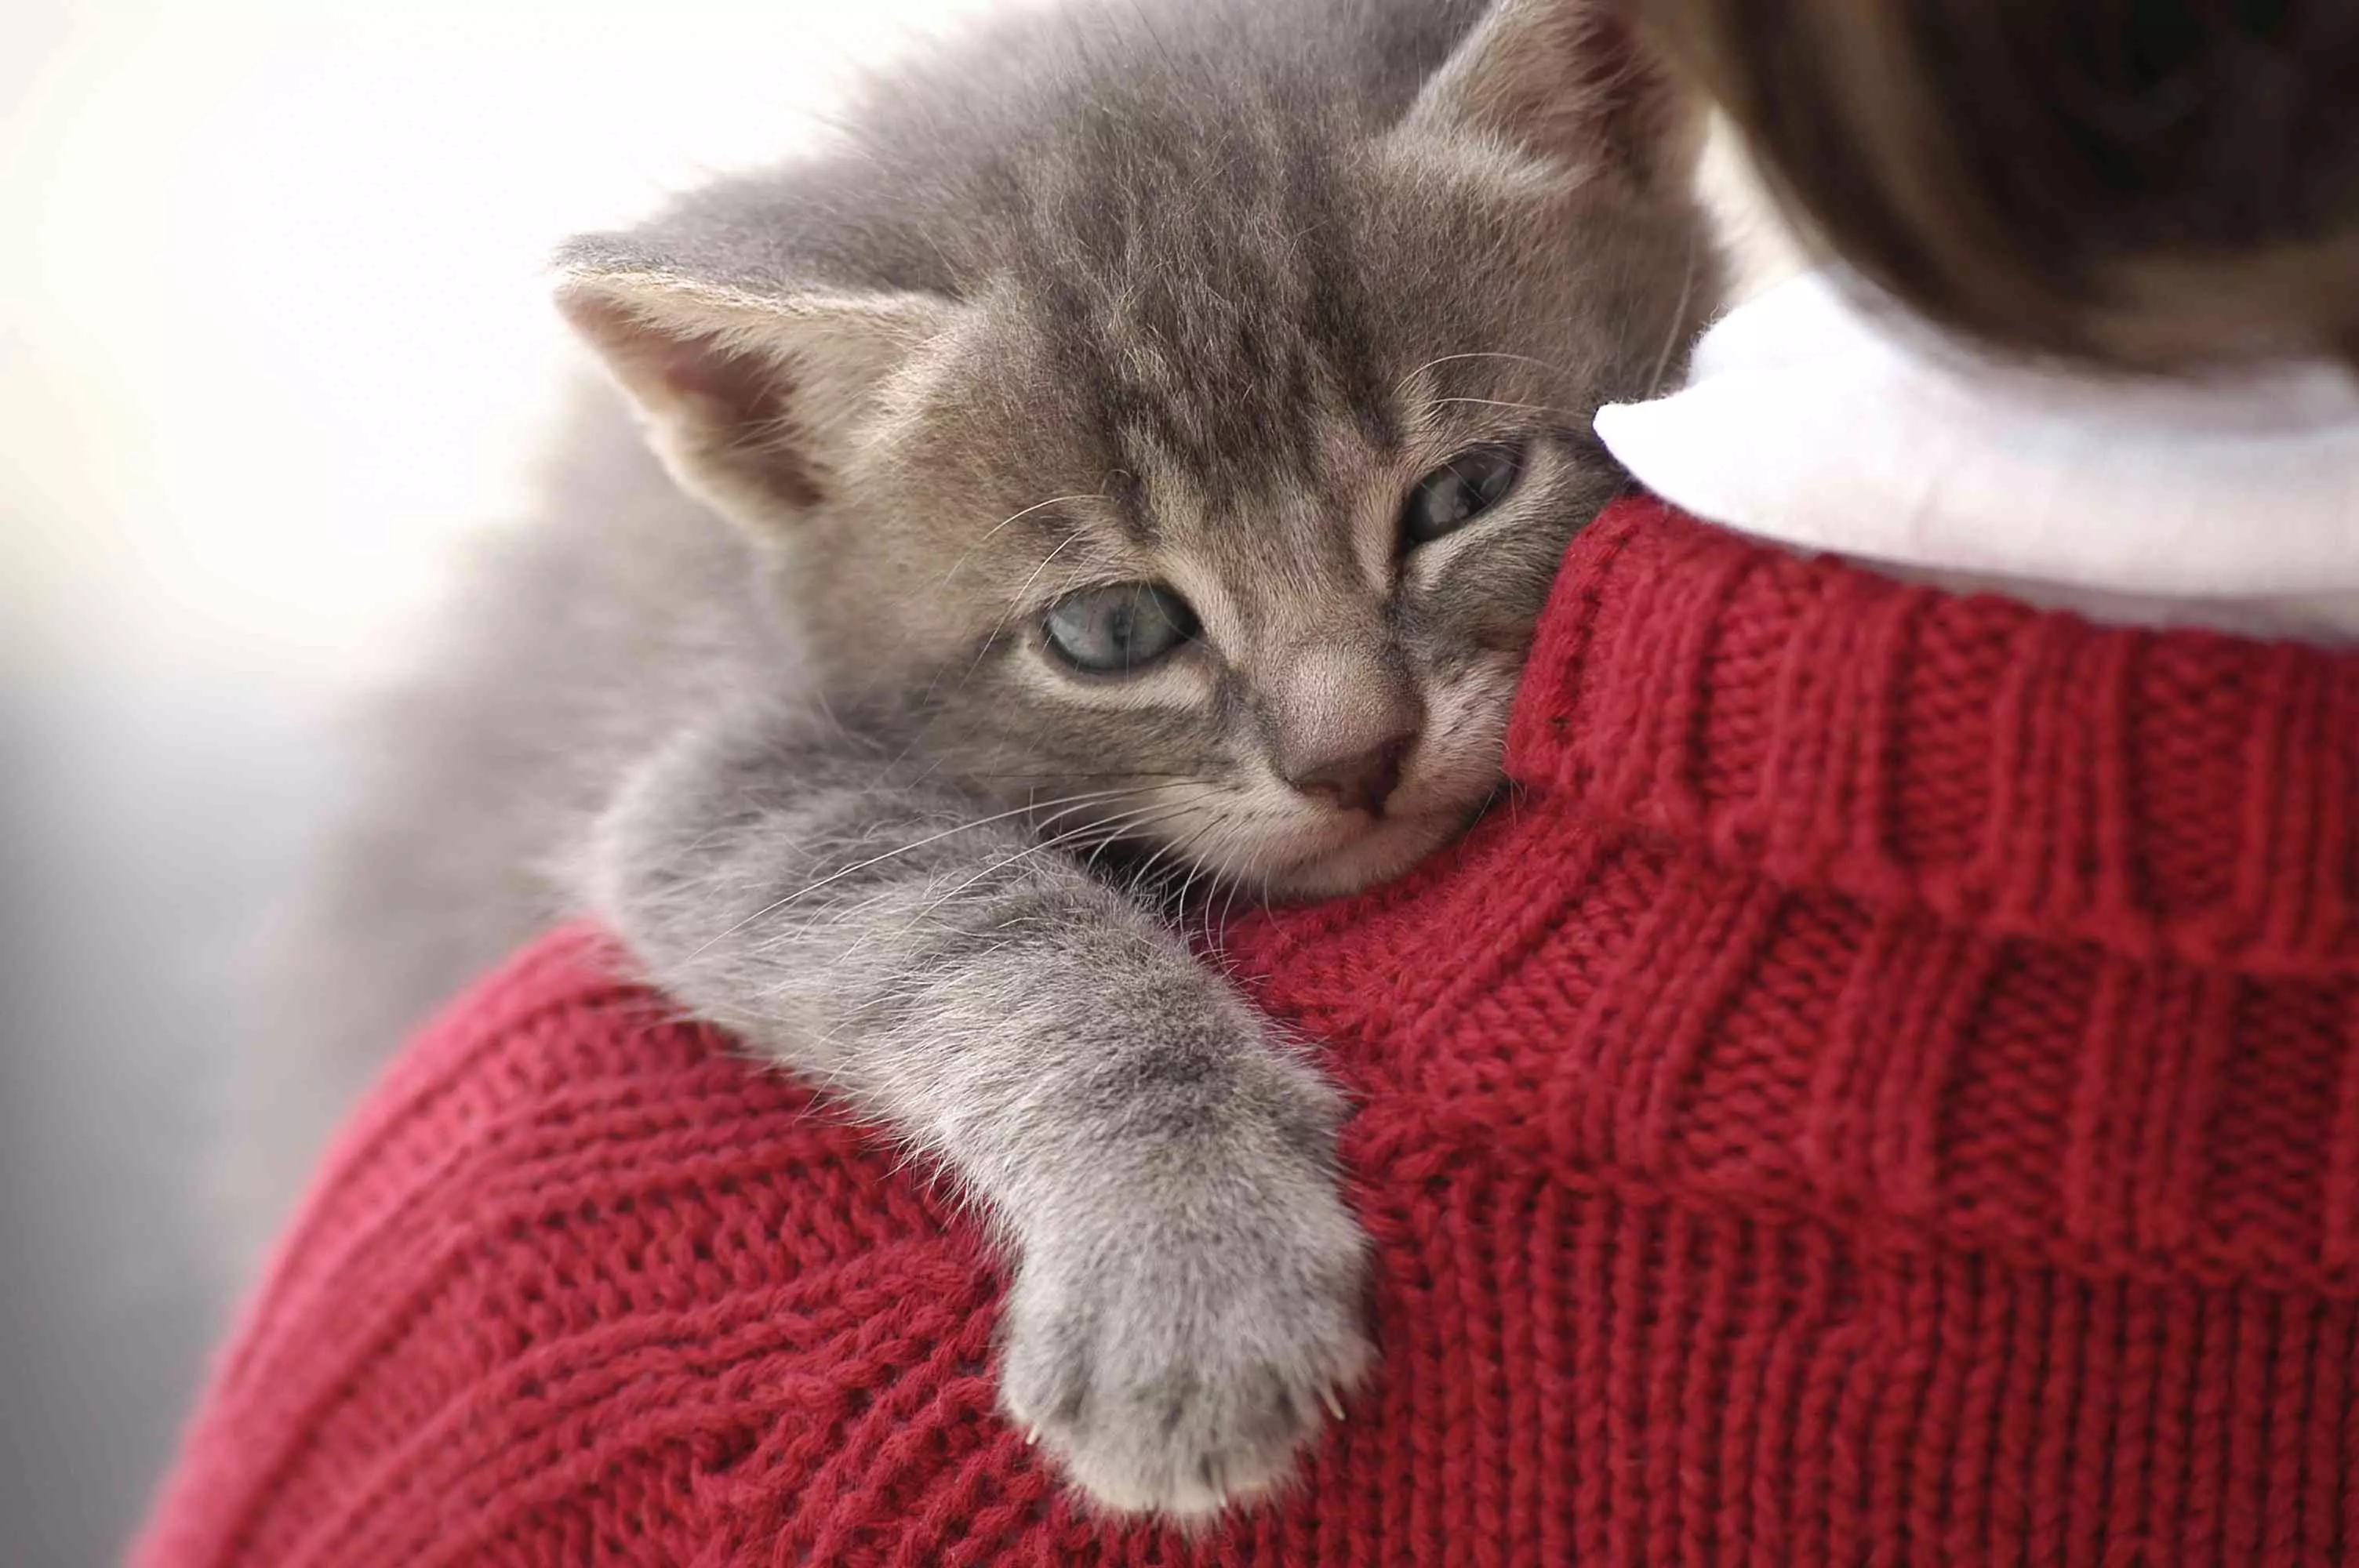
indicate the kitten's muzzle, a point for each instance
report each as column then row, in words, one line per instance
column 1342, row 724
column 1361, row 781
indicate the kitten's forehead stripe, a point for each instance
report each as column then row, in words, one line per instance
column 1223, row 332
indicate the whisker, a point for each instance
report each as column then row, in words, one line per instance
column 1478, row 354
column 854, row 911
column 1177, row 851
column 1112, row 774
column 1565, row 414
column 990, row 532
column 993, row 870
column 1174, row 850
column 1000, row 627
column 1228, row 905
column 842, row 873
column 1679, row 320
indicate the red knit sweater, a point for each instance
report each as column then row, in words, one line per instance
column 1884, row 1092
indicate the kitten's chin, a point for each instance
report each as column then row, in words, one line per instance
column 1391, row 848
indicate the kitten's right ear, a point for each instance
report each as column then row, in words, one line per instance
column 755, row 400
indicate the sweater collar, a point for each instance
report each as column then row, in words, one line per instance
column 2013, row 771
column 1810, row 421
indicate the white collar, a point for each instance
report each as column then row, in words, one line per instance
column 1808, row 422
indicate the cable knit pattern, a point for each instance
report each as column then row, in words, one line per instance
column 1882, row 1092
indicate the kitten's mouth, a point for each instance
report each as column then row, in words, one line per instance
column 1390, row 847
column 1302, row 853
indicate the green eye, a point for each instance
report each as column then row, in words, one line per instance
column 1118, row 630
column 1459, row 491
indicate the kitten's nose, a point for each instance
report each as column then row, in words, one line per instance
column 1362, row 781
column 1342, row 722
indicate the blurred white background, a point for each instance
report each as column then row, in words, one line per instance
column 272, row 336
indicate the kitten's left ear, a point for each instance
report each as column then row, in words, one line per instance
column 1565, row 80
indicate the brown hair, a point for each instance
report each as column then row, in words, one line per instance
column 2145, row 184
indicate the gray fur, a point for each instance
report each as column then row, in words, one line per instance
column 1191, row 291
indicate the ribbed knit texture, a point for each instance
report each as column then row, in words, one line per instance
column 1884, row 1092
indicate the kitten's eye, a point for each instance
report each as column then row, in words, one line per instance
column 1114, row 631
column 1459, row 491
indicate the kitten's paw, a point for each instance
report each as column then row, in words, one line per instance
column 1177, row 1356
column 1186, row 1380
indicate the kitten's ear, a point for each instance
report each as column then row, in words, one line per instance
column 1565, row 81
column 754, row 400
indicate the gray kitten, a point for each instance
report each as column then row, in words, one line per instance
column 1149, row 437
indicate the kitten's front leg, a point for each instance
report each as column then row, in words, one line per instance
column 1188, row 1294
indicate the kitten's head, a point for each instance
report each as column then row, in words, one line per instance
column 1203, row 491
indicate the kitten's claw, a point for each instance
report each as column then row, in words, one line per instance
column 1334, row 1405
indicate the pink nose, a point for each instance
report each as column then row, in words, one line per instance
column 1362, row 781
